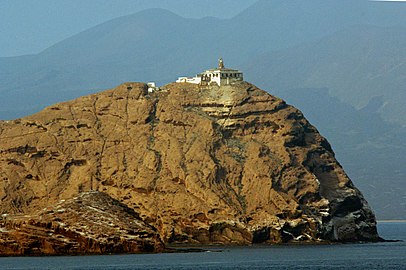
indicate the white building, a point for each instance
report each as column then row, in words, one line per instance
column 152, row 87
column 219, row 75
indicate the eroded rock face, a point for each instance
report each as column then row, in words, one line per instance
column 91, row 223
column 230, row 164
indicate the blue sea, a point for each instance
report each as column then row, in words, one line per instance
column 388, row 255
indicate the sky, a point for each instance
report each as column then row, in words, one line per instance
column 28, row 26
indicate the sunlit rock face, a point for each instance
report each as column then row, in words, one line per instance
column 203, row 165
column 90, row 223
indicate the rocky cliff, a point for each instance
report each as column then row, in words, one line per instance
column 90, row 223
column 229, row 165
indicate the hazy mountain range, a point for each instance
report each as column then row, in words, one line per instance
column 341, row 62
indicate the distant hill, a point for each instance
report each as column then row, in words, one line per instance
column 354, row 49
column 156, row 43
column 356, row 65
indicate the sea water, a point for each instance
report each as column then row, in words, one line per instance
column 386, row 255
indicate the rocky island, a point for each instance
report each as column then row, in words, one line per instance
column 133, row 168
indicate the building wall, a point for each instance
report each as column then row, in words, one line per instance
column 195, row 80
column 221, row 77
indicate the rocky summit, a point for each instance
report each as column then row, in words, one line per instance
column 196, row 165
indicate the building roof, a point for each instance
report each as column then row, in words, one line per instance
column 223, row 69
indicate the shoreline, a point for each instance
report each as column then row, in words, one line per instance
column 391, row 221
column 196, row 248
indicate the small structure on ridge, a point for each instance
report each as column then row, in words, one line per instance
column 220, row 75
column 152, row 87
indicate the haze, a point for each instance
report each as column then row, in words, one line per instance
column 28, row 27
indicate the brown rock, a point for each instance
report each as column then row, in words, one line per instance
column 230, row 164
column 91, row 223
